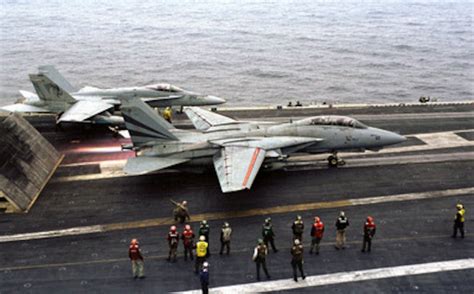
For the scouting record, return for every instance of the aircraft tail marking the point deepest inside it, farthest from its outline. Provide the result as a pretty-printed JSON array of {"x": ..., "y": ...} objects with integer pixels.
[{"x": 50, "y": 85}]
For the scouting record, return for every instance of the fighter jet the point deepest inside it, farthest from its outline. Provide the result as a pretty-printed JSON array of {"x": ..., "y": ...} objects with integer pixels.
[
  {"x": 237, "y": 149},
  {"x": 94, "y": 105}
]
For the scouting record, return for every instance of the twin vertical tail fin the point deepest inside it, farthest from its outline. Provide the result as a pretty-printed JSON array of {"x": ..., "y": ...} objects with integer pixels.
[
  {"x": 51, "y": 86},
  {"x": 143, "y": 124}
]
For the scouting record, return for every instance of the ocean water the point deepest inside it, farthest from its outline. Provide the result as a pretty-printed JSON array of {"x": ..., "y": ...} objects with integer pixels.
[{"x": 249, "y": 52}]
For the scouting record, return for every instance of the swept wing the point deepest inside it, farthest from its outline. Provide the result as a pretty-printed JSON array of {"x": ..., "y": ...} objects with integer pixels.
[
  {"x": 203, "y": 119},
  {"x": 83, "y": 110}
]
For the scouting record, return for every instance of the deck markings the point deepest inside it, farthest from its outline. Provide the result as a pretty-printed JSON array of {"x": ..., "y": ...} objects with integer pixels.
[
  {"x": 240, "y": 250},
  {"x": 346, "y": 277},
  {"x": 225, "y": 215}
]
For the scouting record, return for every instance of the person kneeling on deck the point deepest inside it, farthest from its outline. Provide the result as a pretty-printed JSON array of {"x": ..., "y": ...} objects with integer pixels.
[
  {"x": 201, "y": 253},
  {"x": 259, "y": 256},
  {"x": 181, "y": 212},
  {"x": 137, "y": 259},
  {"x": 297, "y": 259}
]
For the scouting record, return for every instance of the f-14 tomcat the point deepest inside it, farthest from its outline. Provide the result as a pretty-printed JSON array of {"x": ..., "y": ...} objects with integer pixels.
[
  {"x": 94, "y": 105},
  {"x": 237, "y": 149}
]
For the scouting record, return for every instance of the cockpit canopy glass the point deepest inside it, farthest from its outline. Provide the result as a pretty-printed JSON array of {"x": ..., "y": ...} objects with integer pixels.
[
  {"x": 165, "y": 88},
  {"x": 333, "y": 120}
]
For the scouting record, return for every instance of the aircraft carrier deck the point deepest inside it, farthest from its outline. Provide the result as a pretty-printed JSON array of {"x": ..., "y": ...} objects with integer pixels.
[{"x": 75, "y": 238}]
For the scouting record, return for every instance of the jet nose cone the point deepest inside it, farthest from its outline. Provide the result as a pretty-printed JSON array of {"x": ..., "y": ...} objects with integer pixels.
[
  {"x": 211, "y": 100},
  {"x": 393, "y": 138}
]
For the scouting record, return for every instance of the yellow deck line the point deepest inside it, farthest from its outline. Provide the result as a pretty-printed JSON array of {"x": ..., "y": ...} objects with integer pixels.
[{"x": 237, "y": 214}]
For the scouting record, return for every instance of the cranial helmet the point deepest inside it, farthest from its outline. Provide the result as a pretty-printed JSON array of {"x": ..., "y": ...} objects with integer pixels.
[
  {"x": 268, "y": 219},
  {"x": 459, "y": 206},
  {"x": 185, "y": 202},
  {"x": 226, "y": 224},
  {"x": 173, "y": 229},
  {"x": 298, "y": 217},
  {"x": 202, "y": 238},
  {"x": 342, "y": 213},
  {"x": 204, "y": 222},
  {"x": 205, "y": 264},
  {"x": 187, "y": 227},
  {"x": 297, "y": 242}
]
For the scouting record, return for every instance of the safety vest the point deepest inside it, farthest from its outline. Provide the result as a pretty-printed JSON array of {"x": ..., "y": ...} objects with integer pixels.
[
  {"x": 201, "y": 249},
  {"x": 173, "y": 237},
  {"x": 318, "y": 229},
  {"x": 297, "y": 252},
  {"x": 188, "y": 237},
  {"x": 267, "y": 231},
  {"x": 261, "y": 251},
  {"x": 369, "y": 229},
  {"x": 461, "y": 213},
  {"x": 298, "y": 227},
  {"x": 134, "y": 252},
  {"x": 226, "y": 232}
]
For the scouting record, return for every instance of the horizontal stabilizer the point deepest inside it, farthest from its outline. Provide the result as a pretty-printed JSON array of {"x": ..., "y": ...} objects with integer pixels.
[
  {"x": 83, "y": 110},
  {"x": 29, "y": 95},
  {"x": 19, "y": 107},
  {"x": 145, "y": 164},
  {"x": 203, "y": 119}
]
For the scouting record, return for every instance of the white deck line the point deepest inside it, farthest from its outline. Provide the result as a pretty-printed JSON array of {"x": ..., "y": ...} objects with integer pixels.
[{"x": 345, "y": 277}]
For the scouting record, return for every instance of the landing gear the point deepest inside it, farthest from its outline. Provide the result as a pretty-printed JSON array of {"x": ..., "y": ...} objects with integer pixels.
[{"x": 335, "y": 161}]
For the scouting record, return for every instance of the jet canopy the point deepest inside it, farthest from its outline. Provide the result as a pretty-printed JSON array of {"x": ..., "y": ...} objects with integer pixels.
[
  {"x": 165, "y": 88},
  {"x": 333, "y": 120}
]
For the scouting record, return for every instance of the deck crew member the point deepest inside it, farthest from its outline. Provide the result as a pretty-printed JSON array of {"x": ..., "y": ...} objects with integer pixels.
[
  {"x": 369, "y": 232},
  {"x": 341, "y": 224},
  {"x": 226, "y": 232},
  {"x": 317, "y": 231},
  {"x": 188, "y": 242},
  {"x": 204, "y": 277},
  {"x": 181, "y": 212},
  {"x": 459, "y": 220},
  {"x": 137, "y": 259},
  {"x": 204, "y": 230},
  {"x": 297, "y": 259},
  {"x": 268, "y": 234},
  {"x": 201, "y": 253},
  {"x": 259, "y": 256},
  {"x": 167, "y": 114},
  {"x": 173, "y": 240},
  {"x": 298, "y": 228}
]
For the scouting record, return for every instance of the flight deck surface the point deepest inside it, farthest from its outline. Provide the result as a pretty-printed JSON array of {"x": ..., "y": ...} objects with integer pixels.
[{"x": 76, "y": 236}]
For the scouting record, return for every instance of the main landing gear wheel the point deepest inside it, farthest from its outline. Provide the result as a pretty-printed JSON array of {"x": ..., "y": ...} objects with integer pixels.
[{"x": 335, "y": 161}]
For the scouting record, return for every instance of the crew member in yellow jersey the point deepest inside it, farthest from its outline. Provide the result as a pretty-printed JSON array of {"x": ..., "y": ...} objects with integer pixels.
[
  {"x": 201, "y": 253},
  {"x": 459, "y": 220},
  {"x": 167, "y": 113}
]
